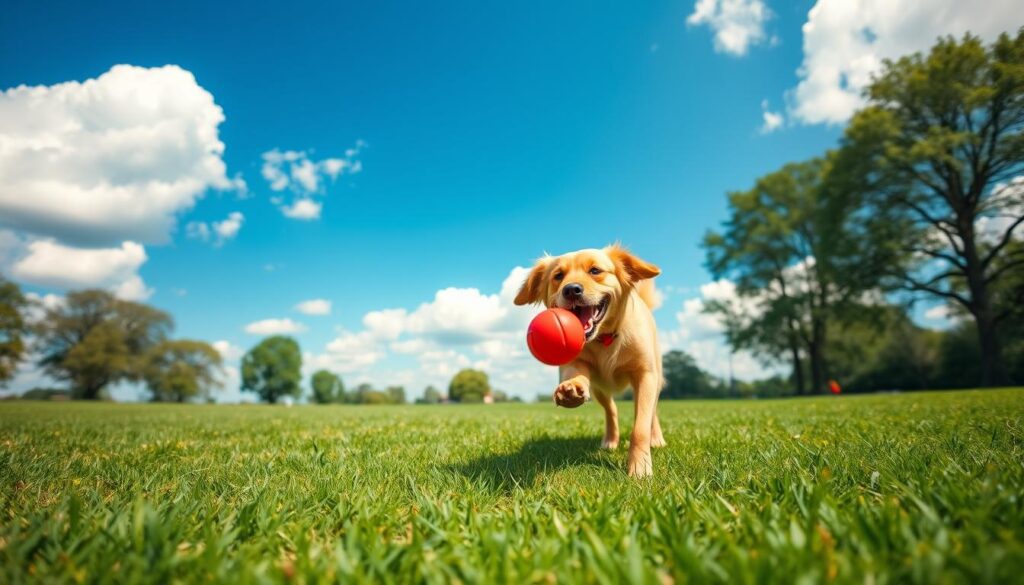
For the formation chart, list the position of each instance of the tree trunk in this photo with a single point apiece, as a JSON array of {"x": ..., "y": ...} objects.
[
  {"x": 992, "y": 371},
  {"x": 798, "y": 366},
  {"x": 817, "y": 356}
]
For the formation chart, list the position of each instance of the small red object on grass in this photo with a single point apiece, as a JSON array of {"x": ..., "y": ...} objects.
[
  {"x": 555, "y": 337},
  {"x": 834, "y": 387}
]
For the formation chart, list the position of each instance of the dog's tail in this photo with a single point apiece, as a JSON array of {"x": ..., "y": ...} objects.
[{"x": 648, "y": 293}]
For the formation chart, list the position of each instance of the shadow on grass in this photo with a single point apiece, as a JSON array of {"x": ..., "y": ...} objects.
[{"x": 505, "y": 472}]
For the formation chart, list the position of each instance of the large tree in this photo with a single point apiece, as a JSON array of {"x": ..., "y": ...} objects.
[
  {"x": 801, "y": 260},
  {"x": 327, "y": 387},
  {"x": 469, "y": 385},
  {"x": 181, "y": 369},
  {"x": 942, "y": 142},
  {"x": 272, "y": 369},
  {"x": 12, "y": 329},
  {"x": 94, "y": 339}
]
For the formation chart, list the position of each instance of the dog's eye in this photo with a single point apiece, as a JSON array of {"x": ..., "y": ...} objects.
[
  {"x": 595, "y": 271},
  {"x": 559, "y": 275}
]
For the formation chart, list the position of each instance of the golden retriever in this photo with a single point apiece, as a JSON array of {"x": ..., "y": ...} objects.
[{"x": 611, "y": 293}]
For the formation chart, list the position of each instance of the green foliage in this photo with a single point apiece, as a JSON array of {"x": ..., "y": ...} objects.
[
  {"x": 941, "y": 136},
  {"x": 912, "y": 488},
  {"x": 396, "y": 394},
  {"x": 469, "y": 385},
  {"x": 181, "y": 369},
  {"x": 431, "y": 395},
  {"x": 94, "y": 339},
  {"x": 327, "y": 387},
  {"x": 684, "y": 379},
  {"x": 12, "y": 329},
  {"x": 801, "y": 261},
  {"x": 366, "y": 394},
  {"x": 272, "y": 369},
  {"x": 46, "y": 394}
]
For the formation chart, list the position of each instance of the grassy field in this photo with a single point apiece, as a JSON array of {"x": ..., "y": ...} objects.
[{"x": 925, "y": 488}]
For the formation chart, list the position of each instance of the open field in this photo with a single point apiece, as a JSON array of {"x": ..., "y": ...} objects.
[{"x": 903, "y": 488}]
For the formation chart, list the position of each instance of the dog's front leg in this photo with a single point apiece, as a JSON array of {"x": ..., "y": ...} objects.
[
  {"x": 645, "y": 401},
  {"x": 575, "y": 386}
]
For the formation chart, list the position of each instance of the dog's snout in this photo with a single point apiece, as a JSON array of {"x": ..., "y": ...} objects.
[{"x": 572, "y": 291}]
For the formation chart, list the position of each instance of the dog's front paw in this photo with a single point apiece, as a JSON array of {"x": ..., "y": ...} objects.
[
  {"x": 639, "y": 463},
  {"x": 572, "y": 393}
]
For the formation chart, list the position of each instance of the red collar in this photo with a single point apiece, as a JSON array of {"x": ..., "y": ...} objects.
[{"x": 606, "y": 339}]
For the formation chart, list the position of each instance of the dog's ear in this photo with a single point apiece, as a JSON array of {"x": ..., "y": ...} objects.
[
  {"x": 533, "y": 288},
  {"x": 632, "y": 267}
]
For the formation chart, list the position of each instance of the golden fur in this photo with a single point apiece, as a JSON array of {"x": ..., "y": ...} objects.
[{"x": 618, "y": 291}]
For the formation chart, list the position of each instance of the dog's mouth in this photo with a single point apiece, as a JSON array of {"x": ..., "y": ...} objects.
[{"x": 590, "y": 316}]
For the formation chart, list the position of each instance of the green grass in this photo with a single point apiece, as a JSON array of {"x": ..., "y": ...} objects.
[{"x": 919, "y": 488}]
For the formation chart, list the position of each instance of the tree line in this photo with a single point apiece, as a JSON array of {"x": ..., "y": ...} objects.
[
  {"x": 921, "y": 200},
  {"x": 92, "y": 340}
]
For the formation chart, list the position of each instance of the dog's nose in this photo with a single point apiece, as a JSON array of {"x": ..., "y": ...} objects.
[{"x": 572, "y": 291}]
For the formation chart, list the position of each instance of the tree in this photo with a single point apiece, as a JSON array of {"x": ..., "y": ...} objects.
[
  {"x": 469, "y": 386},
  {"x": 942, "y": 140},
  {"x": 327, "y": 387},
  {"x": 94, "y": 339},
  {"x": 272, "y": 368},
  {"x": 683, "y": 378},
  {"x": 431, "y": 395},
  {"x": 396, "y": 394},
  {"x": 799, "y": 259},
  {"x": 181, "y": 369},
  {"x": 12, "y": 329}
]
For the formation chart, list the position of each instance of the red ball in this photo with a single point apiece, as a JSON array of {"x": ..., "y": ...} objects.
[{"x": 555, "y": 337}]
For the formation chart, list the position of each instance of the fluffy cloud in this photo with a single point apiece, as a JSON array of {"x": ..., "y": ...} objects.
[
  {"x": 227, "y": 350},
  {"x": 274, "y": 327},
  {"x": 49, "y": 263},
  {"x": 314, "y": 307},
  {"x": 218, "y": 232},
  {"x": 303, "y": 209},
  {"x": 295, "y": 171},
  {"x": 737, "y": 24},
  {"x": 772, "y": 121},
  {"x": 1001, "y": 211},
  {"x": 458, "y": 328},
  {"x": 845, "y": 42},
  {"x": 702, "y": 335},
  {"x": 110, "y": 159}
]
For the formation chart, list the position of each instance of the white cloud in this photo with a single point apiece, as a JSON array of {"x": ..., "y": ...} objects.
[
  {"x": 49, "y": 263},
  {"x": 702, "y": 335},
  {"x": 109, "y": 159},
  {"x": 845, "y": 42},
  {"x": 296, "y": 171},
  {"x": 227, "y": 350},
  {"x": 274, "y": 327},
  {"x": 305, "y": 209},
  {"x": 459, "y": 327},
  {"x": 219, "y": 231},
  {"x": 737, "y": 24},
  {"x": 772, "y": 121},
  {"x": 1000, "y": 211},
  {"x": 314, "y": 307}
]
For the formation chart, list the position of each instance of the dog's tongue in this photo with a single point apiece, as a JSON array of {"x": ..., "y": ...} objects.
[{"x": 586, "y": 316}]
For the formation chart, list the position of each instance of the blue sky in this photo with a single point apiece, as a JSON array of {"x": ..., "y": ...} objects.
[{"x": 485, "y": 134}]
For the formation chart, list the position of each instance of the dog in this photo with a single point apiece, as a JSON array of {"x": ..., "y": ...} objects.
[{"x": 611, "y": 292}]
